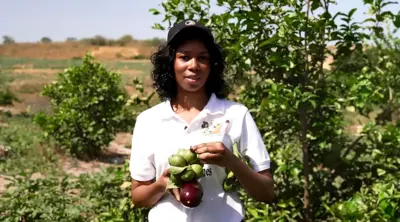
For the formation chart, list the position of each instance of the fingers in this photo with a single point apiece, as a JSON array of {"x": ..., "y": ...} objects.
[
  {"x": 217, "y": 147},
  {"x": 202, "y": 149},
  {"x": 175, "y": 192},
  {"x": 201, "y": 145},
  {"x": 208, "y": 156},
  {"x": 166, "y": 173}
]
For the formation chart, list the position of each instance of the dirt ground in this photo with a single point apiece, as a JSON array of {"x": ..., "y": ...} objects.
[
  {"x": 70, "y": 50},
  {"x": 74, "y": 167}
]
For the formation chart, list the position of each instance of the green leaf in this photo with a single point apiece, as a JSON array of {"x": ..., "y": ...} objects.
[
  {"x": 313, "y": 103},
  {"x": 158, "y": 27},
  {"x": 253, "y": 212},
  {"x": 282, "y": 205},
  {"x": 270, "y": 41},
  {"x": 396, "y": 21},
  {"x": 351, "y": 13},
  {"x": 154, "y": 11},
  {"x": 315, "y": 5},
  {"x": 381, "y": 172}
]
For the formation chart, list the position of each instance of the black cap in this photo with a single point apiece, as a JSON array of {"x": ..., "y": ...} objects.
[{"x": 189, "y": 25}]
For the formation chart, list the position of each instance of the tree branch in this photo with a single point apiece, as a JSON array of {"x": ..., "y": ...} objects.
[
  {"x": 304, "y": 126},
  {"x": 352, "y": 146}
]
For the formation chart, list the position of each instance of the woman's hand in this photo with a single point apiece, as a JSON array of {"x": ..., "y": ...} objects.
[
  {"x": 213, "y": 153},
  {"x": 164, "y": 181}
]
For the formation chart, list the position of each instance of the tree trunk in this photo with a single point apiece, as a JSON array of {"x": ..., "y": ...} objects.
[
  {"x": 306, "y": 167},
  {"x": 304, "y": 127}
]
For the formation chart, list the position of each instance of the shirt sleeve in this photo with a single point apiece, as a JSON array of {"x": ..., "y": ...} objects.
[
  {"x": 252, "y": 145},
  {"x": 141, "y": 163}
]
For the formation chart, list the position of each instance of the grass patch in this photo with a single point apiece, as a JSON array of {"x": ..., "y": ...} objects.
[
  {"x": 31, "y": 87},
  {"x": 27, "y": 149},
  {"x": 28, "y": 76},
  {"x": 6, "y": 96},
  {"x": 10, "y": 63},
  {"x": 5, "y": 78}
]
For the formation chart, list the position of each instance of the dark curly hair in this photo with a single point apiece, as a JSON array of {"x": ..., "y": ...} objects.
[{"x": 163, "y": 74}]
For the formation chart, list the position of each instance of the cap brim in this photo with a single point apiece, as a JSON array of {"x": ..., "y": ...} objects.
[{"x": 200, "y": 32}]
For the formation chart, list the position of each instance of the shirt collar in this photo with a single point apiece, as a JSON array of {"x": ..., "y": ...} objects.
[{"x": 214, "y": 106}]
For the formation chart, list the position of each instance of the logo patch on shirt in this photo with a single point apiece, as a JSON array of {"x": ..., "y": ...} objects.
[
  {"x": 215, "y": 128},
  {"x": 207, "y": 172}
]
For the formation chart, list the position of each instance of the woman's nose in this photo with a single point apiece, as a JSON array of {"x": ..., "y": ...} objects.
[{"x": 194, "y": 64}]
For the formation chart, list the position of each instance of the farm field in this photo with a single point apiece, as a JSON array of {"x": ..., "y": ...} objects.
[
  {"x": 28, "y": 76},
  {"x": 21, "y": 138},
  {"x": 319, "y": 78},
  {"x": 32, "y": 157},
  {"x": 331, "y": 127}
]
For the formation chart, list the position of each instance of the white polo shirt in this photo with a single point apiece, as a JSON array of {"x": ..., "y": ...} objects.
[{"x": 159, "y": 133}]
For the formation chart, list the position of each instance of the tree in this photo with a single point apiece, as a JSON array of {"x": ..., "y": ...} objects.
[
  {"x": 98, "y": 40},
  {"x": 8, "y": 40},
  {"x": 45, "y": 40},
  {"x": 88, "y": 108},
  {"x": 322, "y": 171},
  {"x": 124, "y": 40},
  {"x": 71, "y": 39},
  {"x": 155, "y": 42}
]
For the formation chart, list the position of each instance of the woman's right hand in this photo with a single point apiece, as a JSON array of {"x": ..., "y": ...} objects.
[{"x": 164, "y": 181}]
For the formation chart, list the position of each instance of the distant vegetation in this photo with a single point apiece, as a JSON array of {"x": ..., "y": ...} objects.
[
  {"x": 6, "y": 96},
  {"x": 8, "y": 40},
  {"x": 45, "y": 40},
  {"x": 99, "y": 40}
]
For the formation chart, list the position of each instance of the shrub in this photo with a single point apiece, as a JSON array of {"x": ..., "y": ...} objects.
[
  {"x": 97, "y": 40},
  {"x": 45, "y": 40},
  {"x": 103, "y": 196},
  {"x": 87, "y": 103},
  {"x": 124, "y": 40},
  {"x": 8, "y": 40},
  {"x": 140, "y": 56},
  {"x": 6, "y": 96},
  {"x": 40, "y": 199},
  {"x": 71, "y": 39},
  {"x": 155, "y": 42}
]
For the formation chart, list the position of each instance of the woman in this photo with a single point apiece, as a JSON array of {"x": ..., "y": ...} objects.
[{"x": 194, "y": 112}]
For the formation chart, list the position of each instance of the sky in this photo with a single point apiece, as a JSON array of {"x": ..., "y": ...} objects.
[{"x": 29, "y": 21}]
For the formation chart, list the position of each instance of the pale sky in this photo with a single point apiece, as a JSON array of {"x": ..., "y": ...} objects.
[{"x": 30, "y": 20}]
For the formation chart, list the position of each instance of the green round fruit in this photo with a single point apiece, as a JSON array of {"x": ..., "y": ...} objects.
[
  {"x": 177, "y": 161},
  {"x": 228, "y": 184},
  {"x": 176, "y": 170},
  {"x": 188, "y": 155},
  {"x": 198, "y": 170},
  {"x": 230, "y": 175},
  {"x": 188, "y": 175},
  {"x": 180, "y": 152}
]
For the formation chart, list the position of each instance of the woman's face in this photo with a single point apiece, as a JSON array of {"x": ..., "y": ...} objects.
[{"x": 192, "y": 66}]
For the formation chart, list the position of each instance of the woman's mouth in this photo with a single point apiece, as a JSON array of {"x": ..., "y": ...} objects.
[{"x": 192, "y": 79}]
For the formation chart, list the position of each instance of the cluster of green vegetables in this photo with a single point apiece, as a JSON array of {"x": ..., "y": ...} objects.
[{"x": 185, "y": 166}]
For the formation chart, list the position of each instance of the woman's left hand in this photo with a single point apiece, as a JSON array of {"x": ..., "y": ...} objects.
[{"x": 213, "y": 153}]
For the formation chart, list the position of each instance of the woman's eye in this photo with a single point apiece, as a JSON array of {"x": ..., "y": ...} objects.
[
  {"x": 203, "y": 58},
  {"x": 185, "y": 58}
]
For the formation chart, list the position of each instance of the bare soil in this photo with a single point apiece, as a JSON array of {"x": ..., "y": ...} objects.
[
  {"x": 75, "y": 167},
  {"x": 34, "y": 72},
  {"x": 70, "y": 50}
]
